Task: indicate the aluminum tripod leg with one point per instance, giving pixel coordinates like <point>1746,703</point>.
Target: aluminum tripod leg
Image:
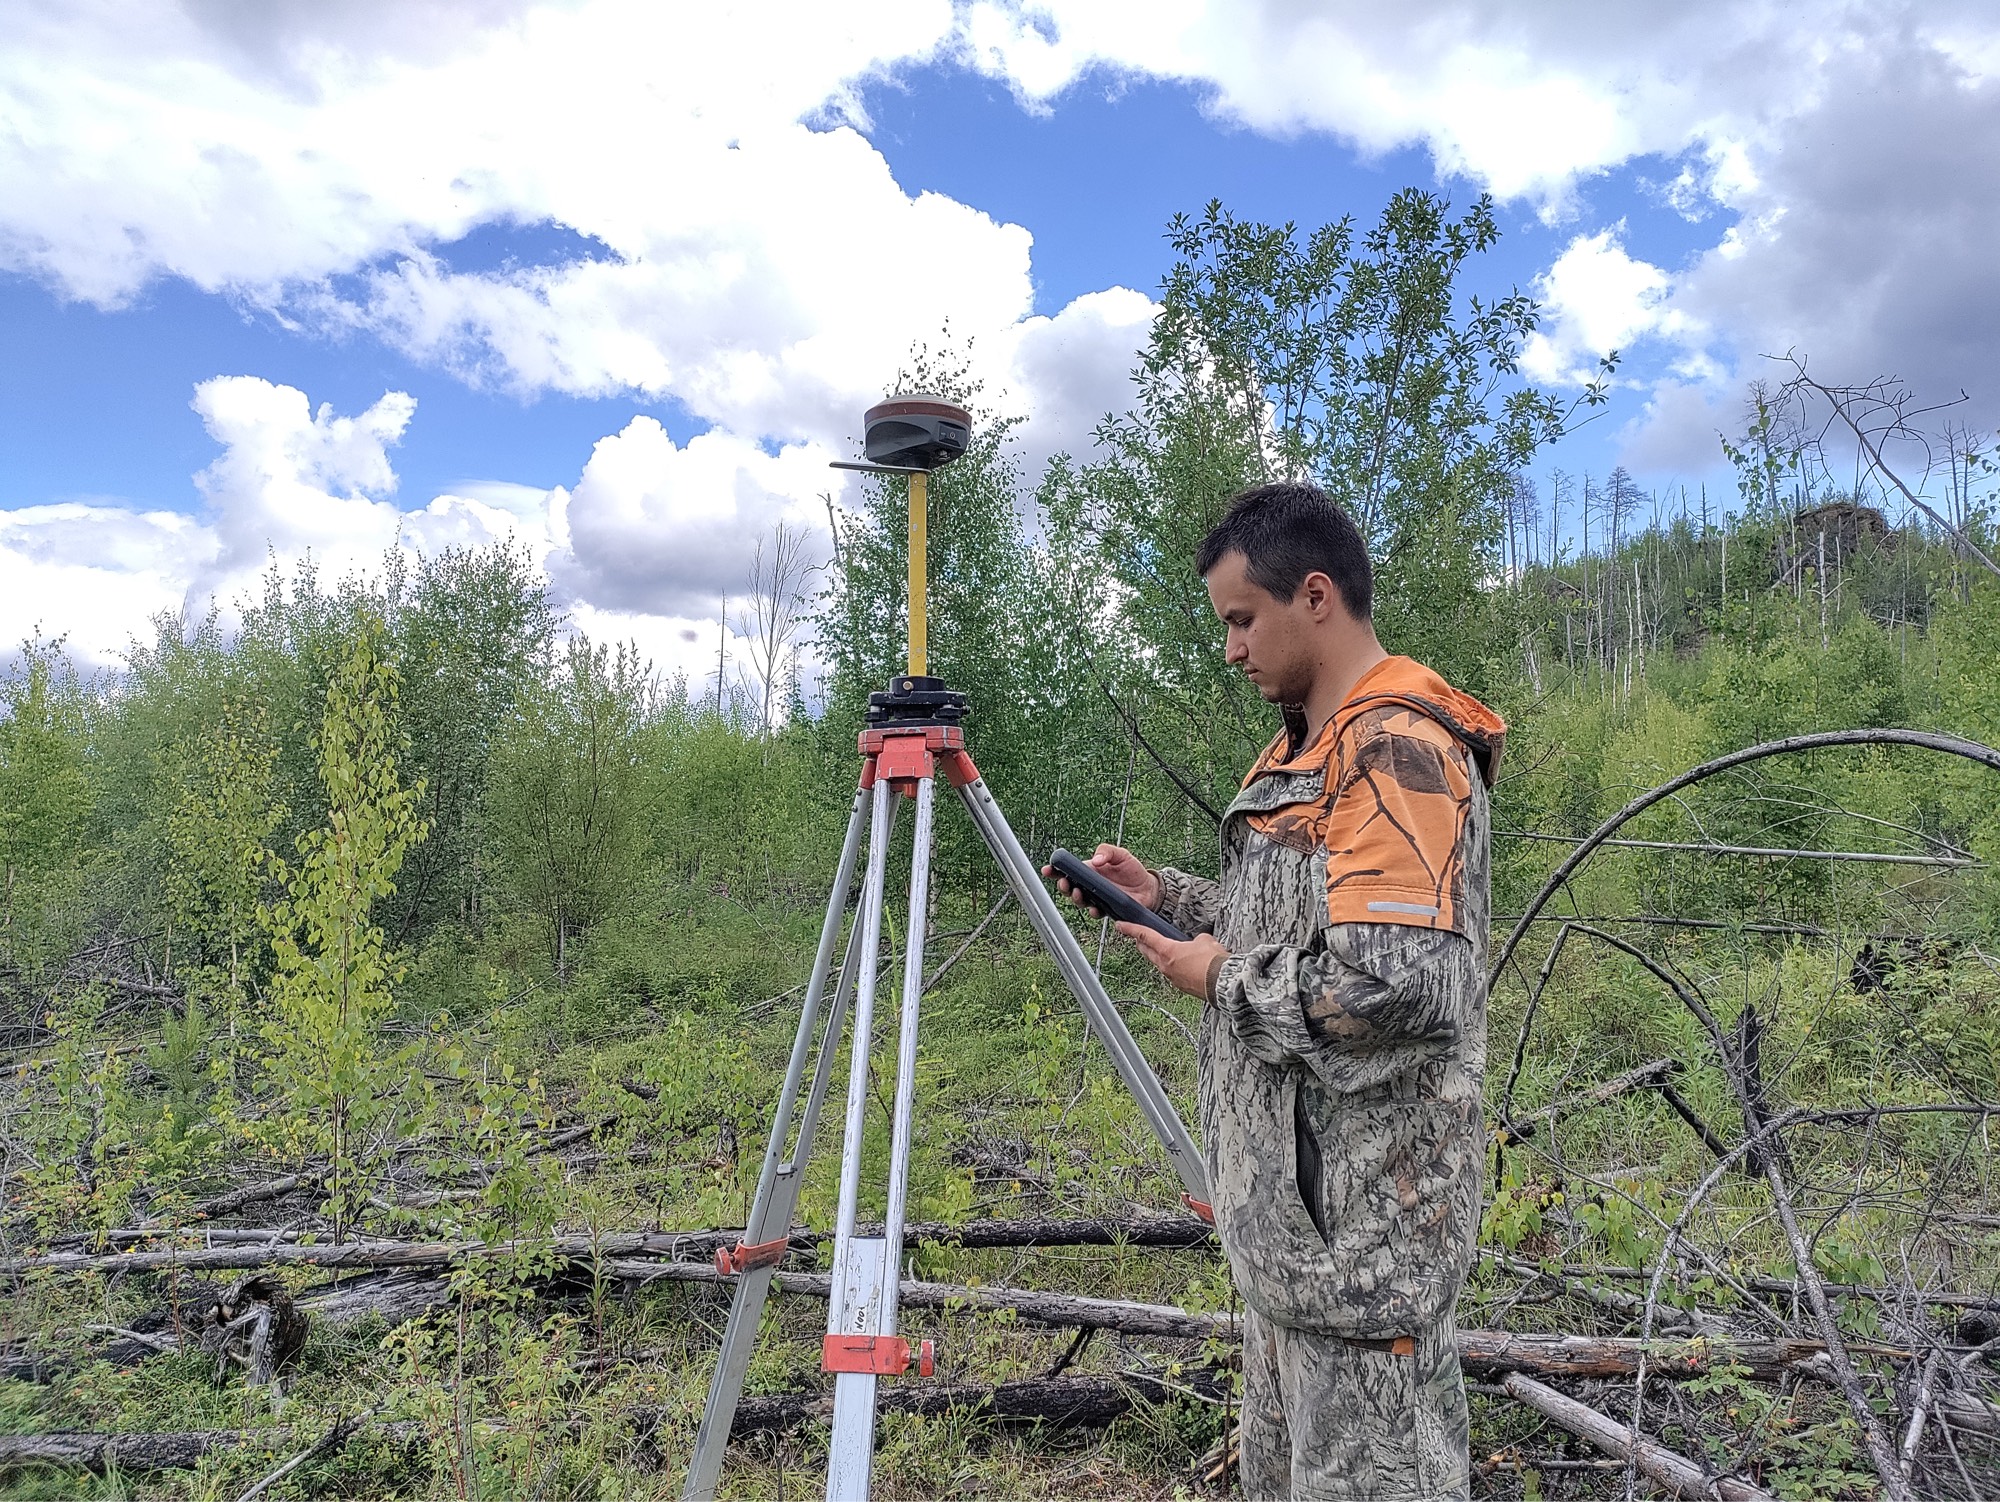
<point>867,1270</point>
<point>1154,1102</point>
<point>778,1183</point>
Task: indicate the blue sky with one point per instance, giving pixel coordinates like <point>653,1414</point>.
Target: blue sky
<point>336,278</point>
<point>94,403</point>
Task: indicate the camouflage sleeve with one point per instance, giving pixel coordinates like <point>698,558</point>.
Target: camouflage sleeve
<point>1379,999</point>
<point>1191,903</point>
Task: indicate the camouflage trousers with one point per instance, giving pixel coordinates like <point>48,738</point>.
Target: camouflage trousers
<point>1327,1420</point>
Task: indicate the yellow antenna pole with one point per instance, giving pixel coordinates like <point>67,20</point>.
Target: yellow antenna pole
<point>919,544</point>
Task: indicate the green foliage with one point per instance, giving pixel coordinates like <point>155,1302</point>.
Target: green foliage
<point>468,631</point>
<point>1369,369</point>
<point>334,971</point>
<point>218,831</point>
<point>46,801</point>
<point>571,791</point>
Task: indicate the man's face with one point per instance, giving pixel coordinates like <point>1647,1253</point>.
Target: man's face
<point>1274,641</point>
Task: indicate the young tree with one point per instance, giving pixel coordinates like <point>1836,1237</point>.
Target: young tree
<point>218,855</point>
<point>334,970</point>
<point>1354,361</point>
<point>467,629</point>
<point>570,795</point>
<point>45,794</point>
<point>1363,366</point>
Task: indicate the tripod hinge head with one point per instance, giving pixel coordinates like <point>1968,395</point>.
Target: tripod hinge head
<point>906,754</point>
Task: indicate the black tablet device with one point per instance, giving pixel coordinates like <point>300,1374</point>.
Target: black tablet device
<point>1108,899</point>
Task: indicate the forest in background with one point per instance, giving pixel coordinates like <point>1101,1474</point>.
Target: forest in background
<point>457,927</point>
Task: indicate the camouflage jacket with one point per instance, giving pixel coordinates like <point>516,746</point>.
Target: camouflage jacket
<point>1342,1052</point>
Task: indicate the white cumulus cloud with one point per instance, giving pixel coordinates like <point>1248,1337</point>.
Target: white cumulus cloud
<point>291,484</point>
<point>659,529</point>
<point>1596,299</point>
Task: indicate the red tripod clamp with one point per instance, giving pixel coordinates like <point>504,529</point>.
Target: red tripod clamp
<point>902,755</point>
<point>882,1355</point>
<point>734,1261</point>
<point>1200,1207</point>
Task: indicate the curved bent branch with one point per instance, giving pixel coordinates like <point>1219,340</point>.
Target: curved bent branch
<point>1951,744</point>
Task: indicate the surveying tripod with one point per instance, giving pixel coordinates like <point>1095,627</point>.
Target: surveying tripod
<point>913,734</point>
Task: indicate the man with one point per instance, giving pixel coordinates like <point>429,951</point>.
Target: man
<point>1342,956</point>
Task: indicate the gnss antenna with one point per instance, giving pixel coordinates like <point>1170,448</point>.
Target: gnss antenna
<point>913,434</point>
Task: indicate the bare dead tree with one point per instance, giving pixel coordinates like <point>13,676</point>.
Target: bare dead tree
<point>779,569</point>
<point>1877,415</point>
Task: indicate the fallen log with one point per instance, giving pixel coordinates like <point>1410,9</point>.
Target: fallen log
<point>1038,1307</point>
<point>395,1298</point>
<point>1060,1402</point>
<point>178,1450</point>
<point>400,1296</point>
<point>236,1199</point>
<point>1073,1402</point>
<point>1679,1475</point>
<point>1148,1231</point>
<point>1483,1353</point>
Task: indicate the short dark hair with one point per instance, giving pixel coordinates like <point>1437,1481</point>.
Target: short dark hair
<point>1286,531</point>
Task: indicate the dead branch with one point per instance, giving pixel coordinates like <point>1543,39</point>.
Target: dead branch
<point>999,906</point>
<point>1949,1298</point>
<point>1646,1076</point>
<point>1866,857</point>
<point>236,1199</point>
<point>1842,399</point>
<point>1679,1475</point>
<point>1895,1486</point>
<point>328,1443</point>
<point>1151,1231</point>
<point>1837,1365</point>
<point>1920,1412</point>
<point>1179,780</point>
<point>1950,744</point>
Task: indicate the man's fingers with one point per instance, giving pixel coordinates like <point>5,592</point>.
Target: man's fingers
<point>1147,942</point>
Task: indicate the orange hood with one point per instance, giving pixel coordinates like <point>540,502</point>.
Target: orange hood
<point>1404,680</point>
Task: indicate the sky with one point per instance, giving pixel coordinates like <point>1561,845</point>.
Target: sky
<point>616,278</point>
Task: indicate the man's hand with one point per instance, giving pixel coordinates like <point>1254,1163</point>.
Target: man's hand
<point>1185,963</point>
<point>1123,870</point>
